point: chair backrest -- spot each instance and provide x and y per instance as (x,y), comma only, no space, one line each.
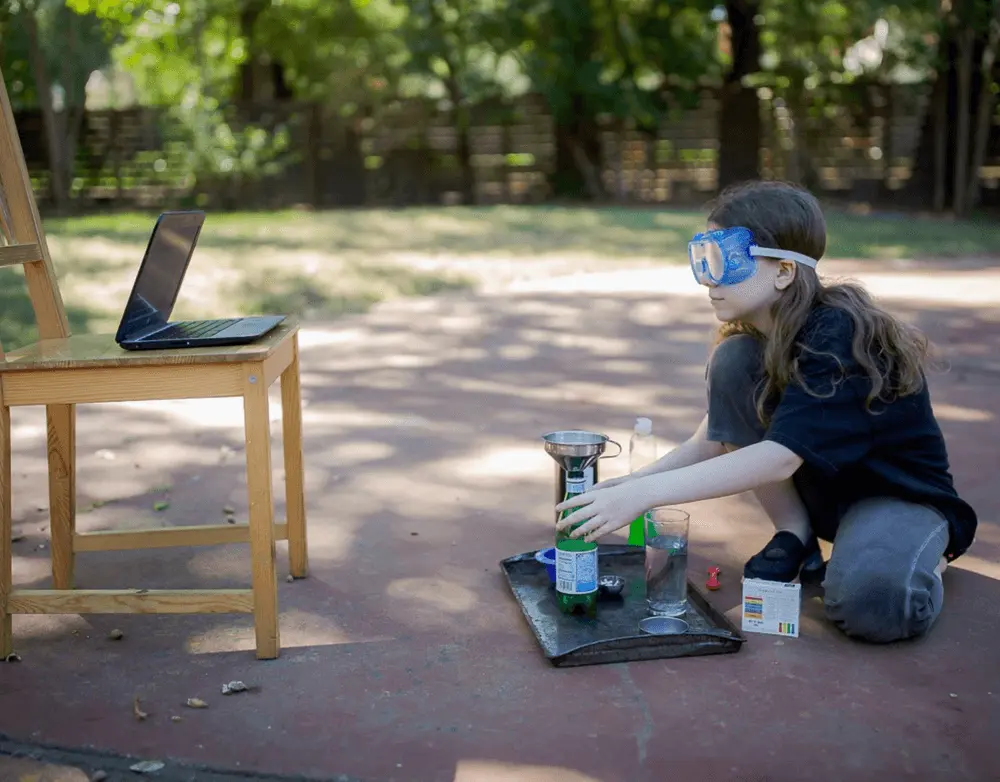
(22,240)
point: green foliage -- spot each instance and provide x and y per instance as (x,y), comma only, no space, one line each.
(455,51)
(635,60)
(187,57)
(172,50)
(808,46)
(347,53)
(618,57)
(215,151)
(73,45)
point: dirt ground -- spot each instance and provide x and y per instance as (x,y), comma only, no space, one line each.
(404,655)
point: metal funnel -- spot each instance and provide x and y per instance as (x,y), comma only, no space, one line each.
(575,449)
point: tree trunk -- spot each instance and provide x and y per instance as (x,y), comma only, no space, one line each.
(460,112)
(939,99)
(984,110)
(282,89)
(579,156)
(249,68)
(888,137)
(966,41)
(739,114)
(933,176)
(54,131)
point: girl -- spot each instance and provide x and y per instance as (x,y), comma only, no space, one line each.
(817,402)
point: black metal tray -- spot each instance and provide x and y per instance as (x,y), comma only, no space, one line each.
(614,636)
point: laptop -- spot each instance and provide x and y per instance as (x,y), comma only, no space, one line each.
(146,324)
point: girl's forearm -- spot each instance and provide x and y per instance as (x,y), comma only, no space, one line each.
(692,451)
(724,475)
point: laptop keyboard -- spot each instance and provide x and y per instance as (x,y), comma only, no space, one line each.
(194,329)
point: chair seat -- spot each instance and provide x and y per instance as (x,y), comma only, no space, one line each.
(95,351)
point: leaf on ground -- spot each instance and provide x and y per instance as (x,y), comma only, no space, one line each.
(161,505)
(139,713)
(147,766)
(235,686)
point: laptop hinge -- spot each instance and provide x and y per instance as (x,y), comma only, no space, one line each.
(148,332)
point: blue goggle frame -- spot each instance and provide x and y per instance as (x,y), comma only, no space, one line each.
(727,256)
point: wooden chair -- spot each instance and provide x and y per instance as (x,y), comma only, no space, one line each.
(61,371)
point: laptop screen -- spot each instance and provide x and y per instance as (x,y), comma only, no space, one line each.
(162,270)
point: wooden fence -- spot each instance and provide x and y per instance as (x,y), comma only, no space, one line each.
(406,154)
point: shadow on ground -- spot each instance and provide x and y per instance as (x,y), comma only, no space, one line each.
(404,656)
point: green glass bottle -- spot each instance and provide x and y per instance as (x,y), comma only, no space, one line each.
(576,577)
(576,483)
(576,563)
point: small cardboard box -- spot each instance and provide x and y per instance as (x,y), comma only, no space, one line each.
(771,607)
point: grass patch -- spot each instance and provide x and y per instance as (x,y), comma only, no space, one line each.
(519,232)
(327,263)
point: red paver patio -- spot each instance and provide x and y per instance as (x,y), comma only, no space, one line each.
(404,655)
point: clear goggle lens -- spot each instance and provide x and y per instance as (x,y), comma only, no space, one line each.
(707,260)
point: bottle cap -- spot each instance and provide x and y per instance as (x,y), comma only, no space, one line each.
(643,426)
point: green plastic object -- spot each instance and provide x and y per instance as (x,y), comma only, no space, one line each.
(636,533)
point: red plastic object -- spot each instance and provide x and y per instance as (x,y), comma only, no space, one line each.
(713,578)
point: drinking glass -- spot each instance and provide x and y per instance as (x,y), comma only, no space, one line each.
(666,561)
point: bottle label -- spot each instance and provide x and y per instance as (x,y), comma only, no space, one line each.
(576,571)
(580,485)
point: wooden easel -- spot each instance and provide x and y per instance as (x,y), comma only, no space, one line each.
(61,371)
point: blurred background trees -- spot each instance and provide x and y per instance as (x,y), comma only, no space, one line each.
(267,102)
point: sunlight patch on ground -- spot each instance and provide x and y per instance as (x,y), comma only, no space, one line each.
(313,337)
(108,252)
(433,593)
(947,412)
(974,564)
(298,629)
(629,397)
(959,288)
(518,352)
(625,367)
(26,431)
(218,413)
(573,338)
(499,771)
(502,463)
(30,569)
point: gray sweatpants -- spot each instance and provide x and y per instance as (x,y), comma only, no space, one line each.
(881,582)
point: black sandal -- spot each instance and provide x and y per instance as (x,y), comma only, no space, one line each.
(784,557)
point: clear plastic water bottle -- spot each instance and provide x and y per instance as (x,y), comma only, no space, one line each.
(641,452)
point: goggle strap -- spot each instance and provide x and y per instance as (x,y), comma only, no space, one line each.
(786,255)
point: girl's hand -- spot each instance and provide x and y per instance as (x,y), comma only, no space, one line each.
(607,484)
(605,509)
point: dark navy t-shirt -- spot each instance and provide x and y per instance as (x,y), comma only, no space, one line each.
(851,453)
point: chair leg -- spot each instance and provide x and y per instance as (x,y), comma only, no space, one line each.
(262,549)
(6,531)
(62,491)
(295,501)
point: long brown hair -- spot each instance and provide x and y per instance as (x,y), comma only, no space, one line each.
(891,352)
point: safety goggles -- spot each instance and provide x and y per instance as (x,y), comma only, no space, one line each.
(729,256)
